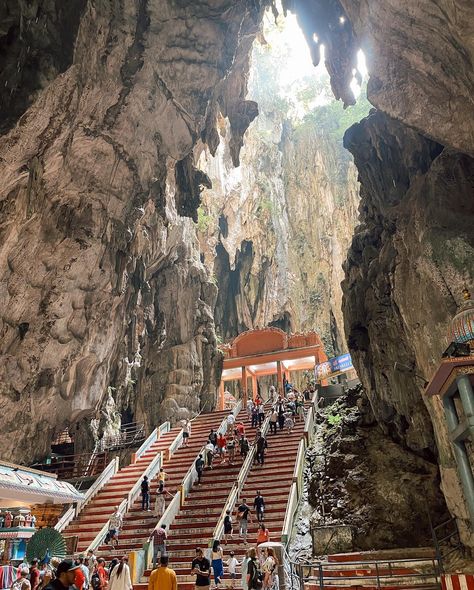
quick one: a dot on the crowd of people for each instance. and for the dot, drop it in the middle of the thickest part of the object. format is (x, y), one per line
(259, 567)
(84, 573)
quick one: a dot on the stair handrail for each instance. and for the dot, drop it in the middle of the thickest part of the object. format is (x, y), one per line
(189, 478)
(99, 483)
(151, 439)
(122, 509)
(164, 428)
(238, 486)
(296, 491)
(65, 518)
(175, 445)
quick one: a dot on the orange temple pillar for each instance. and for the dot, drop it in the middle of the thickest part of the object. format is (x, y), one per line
(280, 378)
(254, 387)
(221, 402)
(244, 387)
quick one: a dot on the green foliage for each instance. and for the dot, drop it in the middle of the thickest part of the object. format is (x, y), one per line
(334, 419)
(333, 120)
(204, 220)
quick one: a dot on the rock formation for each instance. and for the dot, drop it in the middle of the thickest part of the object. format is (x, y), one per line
(97, 263)
(275, 231)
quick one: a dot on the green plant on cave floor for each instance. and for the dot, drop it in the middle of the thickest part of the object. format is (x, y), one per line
(334, 419)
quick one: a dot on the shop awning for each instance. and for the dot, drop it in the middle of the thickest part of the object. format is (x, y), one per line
(30, 485)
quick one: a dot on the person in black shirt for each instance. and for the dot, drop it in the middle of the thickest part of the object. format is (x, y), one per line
(261, 446)
(145, 493)
(243, 516)
(65, 574)
(199, 465)
(259, 505)
(201, 568)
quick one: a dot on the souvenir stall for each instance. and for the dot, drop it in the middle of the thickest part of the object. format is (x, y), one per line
(21, 488)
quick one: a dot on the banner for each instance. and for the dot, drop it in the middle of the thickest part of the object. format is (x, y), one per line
(338, 364)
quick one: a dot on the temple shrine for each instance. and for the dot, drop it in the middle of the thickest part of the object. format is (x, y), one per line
(268, 351)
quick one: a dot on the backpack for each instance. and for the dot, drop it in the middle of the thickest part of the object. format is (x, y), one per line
(95, 581)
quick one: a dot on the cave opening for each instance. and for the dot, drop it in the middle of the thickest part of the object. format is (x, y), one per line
(294, 196)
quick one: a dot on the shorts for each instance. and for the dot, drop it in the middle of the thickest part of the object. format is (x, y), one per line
(233, 576)
(113, 532)
(243, 525)
(185, 434)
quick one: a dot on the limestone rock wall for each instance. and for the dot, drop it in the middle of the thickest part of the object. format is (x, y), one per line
(275, 231)
(100, 278)
(405, 271)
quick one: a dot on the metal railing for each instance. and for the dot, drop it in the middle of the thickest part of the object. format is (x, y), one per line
(238, 486)
(99, 483)
(150, 440)
(378, 573)
(76, 466)
(94, 544)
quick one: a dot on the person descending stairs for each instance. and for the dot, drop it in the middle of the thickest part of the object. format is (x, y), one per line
(194, 525)
(138, 524)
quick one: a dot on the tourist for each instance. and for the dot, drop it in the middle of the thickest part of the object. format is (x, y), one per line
(85, 571)
(64, 578)
(270, 568)
(186, 426)
(210, 452)
(259, 505)
(120, 576)
(199, 466)
(289, 422)
(201, 568)
(272, 393)
(243, 571)
(217, 556)
(261, 446)
(102, 572)
(230, 423)
(22, 583)
(250, 406)
(162, 476)
(114, 563)
(160, 501)
(243, 514)
(240, 429)
(300, 407)
(263, 534)
(221, 445)
(231, 449)
(35, 574)
(254, 416)
(163, 578)
(115, 524)
(228, 526)
(254, 576)
(145, 491)
(281, 413)
(261, 414)
(244, 446)
(232, 564)
(79, 577)
(92, 562)
(273, 420)
(159, 537)
(213, 437)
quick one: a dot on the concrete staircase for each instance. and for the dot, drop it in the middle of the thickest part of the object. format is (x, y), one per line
(195, 524)
(138, 524)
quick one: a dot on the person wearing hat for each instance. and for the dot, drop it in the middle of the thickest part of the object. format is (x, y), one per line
(65, 574)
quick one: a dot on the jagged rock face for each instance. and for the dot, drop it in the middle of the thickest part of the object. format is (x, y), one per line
(369, 482)
(405, 271)
(274, 232)
(97, 268)
(420, 57)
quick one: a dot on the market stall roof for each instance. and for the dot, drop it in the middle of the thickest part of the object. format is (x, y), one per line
(30, 485)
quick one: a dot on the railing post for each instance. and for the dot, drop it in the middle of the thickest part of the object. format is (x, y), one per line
(321, 576)
(377, 574)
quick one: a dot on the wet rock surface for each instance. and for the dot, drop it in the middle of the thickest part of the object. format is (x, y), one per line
(358, 476)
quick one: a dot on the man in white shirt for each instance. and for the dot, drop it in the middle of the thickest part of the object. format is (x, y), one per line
(230, 423)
